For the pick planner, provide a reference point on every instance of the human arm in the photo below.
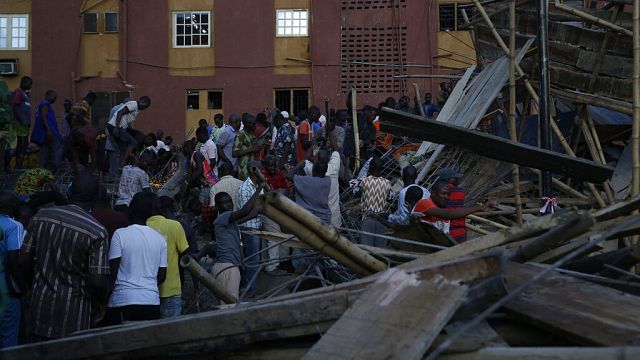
(196, 174)
(248, 208)
(295, 170)
(98, 279)
(125, 110)
(162, 268)
(452, 214)
(304, 132)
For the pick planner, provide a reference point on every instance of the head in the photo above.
(440, 193)
(224, 202)
(144, 102)
(278, 120)
(51, 96)
(319, 169)
(409, 175)
(168, 205)
(369, 113)
(67, 105)
(332, 123)
(450, 175)
(254, 164)
(313, 114)
(234, 121)
(8, 203)
(261, 118)
(323, 156)
(270, 165)
(26, 83)
(168, 140)
(90, 98)
(85, 190)
(202, 134)
(218, 119)
(188, 148)
(427, 97)
(390, 102)
(413, 195)
(145, 160)
(225, 169)
(203, 123)
(249, 122)
(150, 140)
(159, 134)
(342, 116)
(375, 167)
(142, 207)
(404, 101)
(24, 215)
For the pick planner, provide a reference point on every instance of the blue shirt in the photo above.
(430, 108)
(39, 133)
(10, 240)
(316, 126)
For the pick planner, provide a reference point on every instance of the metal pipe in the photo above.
(543, 106)
(207, 279)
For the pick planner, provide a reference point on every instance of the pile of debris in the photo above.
(555, 287)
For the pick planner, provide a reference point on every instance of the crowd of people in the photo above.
(78, 257)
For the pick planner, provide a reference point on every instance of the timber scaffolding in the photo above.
(558, 286)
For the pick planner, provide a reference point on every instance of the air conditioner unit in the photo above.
(8, 67)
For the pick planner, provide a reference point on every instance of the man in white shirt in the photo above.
(208, 149)
(138, 262)
(122, 119)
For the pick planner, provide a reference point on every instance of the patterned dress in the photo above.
(244, 141)
(284, 135)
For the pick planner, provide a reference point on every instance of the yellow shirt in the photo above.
(176, 243)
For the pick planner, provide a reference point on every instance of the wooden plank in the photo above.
(587, 313)
(513, 234)
(482, 336)
(549, 353)
(495, 147)
(221, 330)
(390, 320)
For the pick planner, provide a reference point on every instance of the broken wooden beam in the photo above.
(586, 313)
(495, 147)
(549, 353)
(390, 319)
(207, 279)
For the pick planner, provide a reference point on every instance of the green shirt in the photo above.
(244, 141)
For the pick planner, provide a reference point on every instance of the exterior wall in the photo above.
(246, 61)
(24, 56)
(100, 51)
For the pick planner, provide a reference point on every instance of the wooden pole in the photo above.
(356, 132)
(418, 99)
(593, 19)
(326, 233)
(534, 96)
(513, 134)
(635, 133)
(207, 279)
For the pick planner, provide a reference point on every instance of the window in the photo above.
(14, 30)
(90, 23)
(214, 100)
(193, 100)
(292, 23)
(451, 17)
(191, 29)
(110, 22)
(294, 101)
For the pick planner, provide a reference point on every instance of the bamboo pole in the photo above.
(513, 134)
(635, 133)
(326, 233)
(584, 98)
(477, 229)
(593, 19)
(487, 221)
(310, 238)
(207, 279)
(419, 100)
(534, 96)
(356, 132)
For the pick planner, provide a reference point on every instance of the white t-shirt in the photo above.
(127, 118)
(141, 250)
(161, 145)
(209, 150)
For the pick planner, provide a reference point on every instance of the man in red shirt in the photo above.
(434, 211)
(458, 228)
(305, 133)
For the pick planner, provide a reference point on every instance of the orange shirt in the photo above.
(304, 132)
(423, 206)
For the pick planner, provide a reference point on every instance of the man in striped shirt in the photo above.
(71, 277)
(458, 227)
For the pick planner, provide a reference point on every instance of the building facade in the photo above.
(197, 58)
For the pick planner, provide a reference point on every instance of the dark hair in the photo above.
(90, 97)
(26, 81)
(8, 201)
(50, 93)
(167, 203)
(414, 193)
(201, 130)
(218, 116)
(225, 169)
(439, 184)
(313, 110)
(141, 206)
(145, 99)
(219, 196)
(85, 189)
(203, 122)
(320, 168)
